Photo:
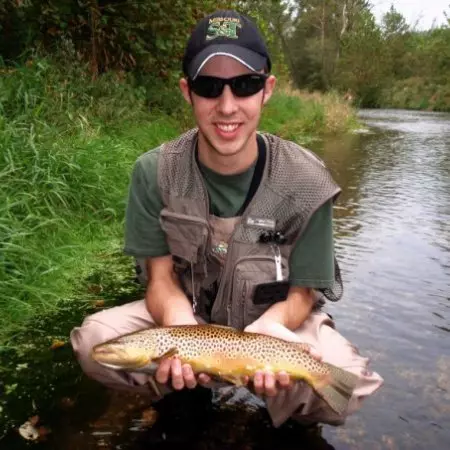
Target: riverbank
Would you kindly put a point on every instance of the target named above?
(416, 93)
(67, 146)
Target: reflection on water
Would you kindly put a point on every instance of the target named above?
(393, 241)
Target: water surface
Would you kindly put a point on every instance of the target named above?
(393, 242)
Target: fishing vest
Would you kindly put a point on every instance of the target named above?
(294, 184)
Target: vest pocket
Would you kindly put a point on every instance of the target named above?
(249, 273)
(186, 236)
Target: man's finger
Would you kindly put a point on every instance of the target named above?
(177, 374)
(163, 372)
(284, 380)
(189, 377)
(315, 353)
(258, 382)
(311, 350)
(269, 384)
(204, 379)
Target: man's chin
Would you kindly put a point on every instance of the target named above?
(227, 150)
(224, 147)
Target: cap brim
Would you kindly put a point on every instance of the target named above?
(254, 61)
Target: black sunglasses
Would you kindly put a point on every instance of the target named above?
(241, 86)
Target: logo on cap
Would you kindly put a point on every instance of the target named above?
(223, 27)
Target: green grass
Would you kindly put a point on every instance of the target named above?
(67, 146)
(302, 116)
(292, 118)
(65, 161)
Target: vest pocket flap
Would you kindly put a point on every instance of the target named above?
(186, 235)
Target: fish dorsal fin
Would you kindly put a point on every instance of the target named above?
(235, 380)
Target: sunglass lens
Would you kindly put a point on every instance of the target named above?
(209, 87)
(247, 85)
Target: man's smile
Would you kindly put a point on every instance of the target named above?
(227, 127)
(227, 130)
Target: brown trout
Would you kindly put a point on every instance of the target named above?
(228, 354)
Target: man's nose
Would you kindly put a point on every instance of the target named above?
(227, 102)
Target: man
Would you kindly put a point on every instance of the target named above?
(234, 227)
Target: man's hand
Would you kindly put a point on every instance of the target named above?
(265, 383)
(168, 305)
(181, 375)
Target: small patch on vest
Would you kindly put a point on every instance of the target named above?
(256, 222)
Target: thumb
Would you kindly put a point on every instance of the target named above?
(204, 379)
(311, 350)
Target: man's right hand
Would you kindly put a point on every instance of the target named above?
(168, 305)
(181, 375)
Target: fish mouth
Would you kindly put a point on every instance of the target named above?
(114, 357)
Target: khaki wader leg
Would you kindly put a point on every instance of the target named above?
(301, 403)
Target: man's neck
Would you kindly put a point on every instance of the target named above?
(227, 164)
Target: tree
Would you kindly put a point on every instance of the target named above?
(361, 68)
(320, 29)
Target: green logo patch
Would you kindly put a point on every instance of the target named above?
(223, 27)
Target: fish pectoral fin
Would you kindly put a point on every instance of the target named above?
(236, 380)
(171, 352)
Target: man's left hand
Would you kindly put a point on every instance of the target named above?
(268, 383)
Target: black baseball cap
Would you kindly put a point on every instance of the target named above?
(228, 33)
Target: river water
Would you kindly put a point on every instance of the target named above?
(393, 244)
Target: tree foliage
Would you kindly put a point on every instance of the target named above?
(337, 44)
(116, 34)
(316, 44)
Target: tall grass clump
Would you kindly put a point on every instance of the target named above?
(302, 116)
(67, 144)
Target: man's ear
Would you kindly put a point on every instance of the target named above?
(269, 88)
(185, 90)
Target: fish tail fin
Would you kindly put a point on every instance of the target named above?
(336, 388)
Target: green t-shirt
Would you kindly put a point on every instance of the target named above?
(312, 259)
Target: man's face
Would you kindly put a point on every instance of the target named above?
(227, 124)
